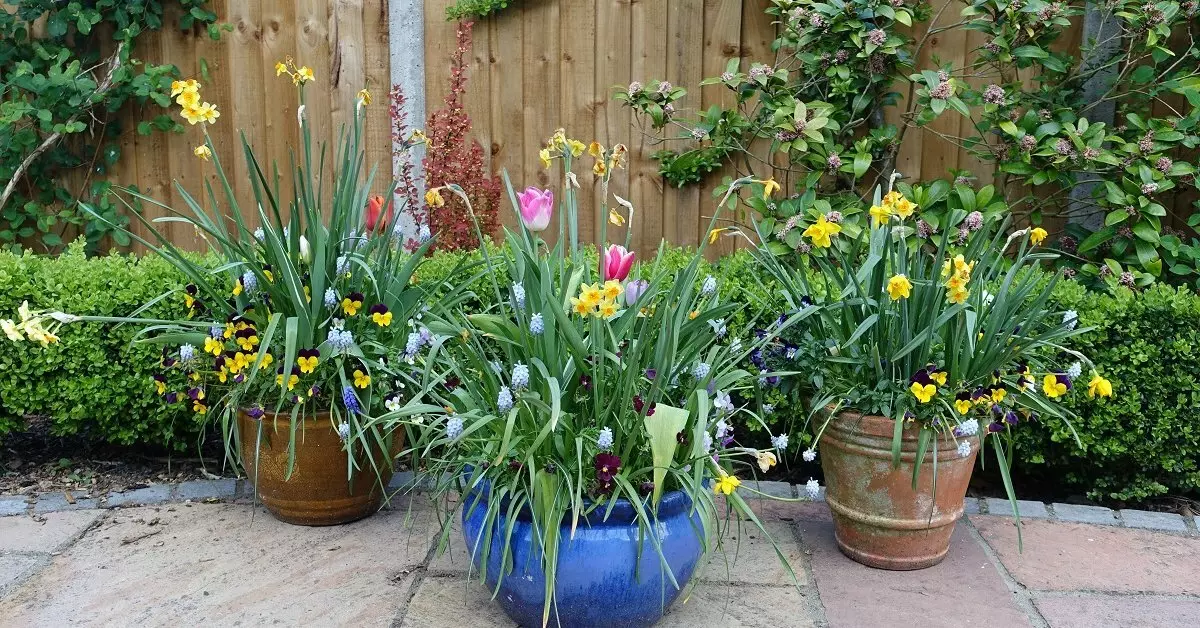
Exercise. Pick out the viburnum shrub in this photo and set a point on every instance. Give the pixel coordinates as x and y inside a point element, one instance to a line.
<point>453,157</point>
<point>822,112</point>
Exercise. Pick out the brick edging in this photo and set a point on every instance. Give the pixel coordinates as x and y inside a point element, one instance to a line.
<point>228,489</point>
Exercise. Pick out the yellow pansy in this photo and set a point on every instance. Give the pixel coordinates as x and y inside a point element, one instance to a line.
<point>998,394</point>
<point>1099,387</point>
<point>213,346</point>
<point>307,364</point>
<point>899,287</point>
<point>292,380</point>
<point>726,484</point>
<point>939,377</point>
<point>923,392</point>
<point>361,379</point>
<point>1053,387</point>
<point>1037,236</point>
<point>963,405</point>
<point>351,305</point>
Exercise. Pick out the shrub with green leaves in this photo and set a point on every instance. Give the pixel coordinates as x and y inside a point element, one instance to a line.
<point>1145,441</point>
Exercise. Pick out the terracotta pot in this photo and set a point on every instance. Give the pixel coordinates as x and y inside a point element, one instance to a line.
<point>318,492</point>
<point>879,519</point>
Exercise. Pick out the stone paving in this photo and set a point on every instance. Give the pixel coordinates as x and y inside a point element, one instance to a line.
<point>189,559</point>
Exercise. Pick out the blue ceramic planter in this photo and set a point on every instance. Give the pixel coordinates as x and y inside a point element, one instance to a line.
<point>595,584</point>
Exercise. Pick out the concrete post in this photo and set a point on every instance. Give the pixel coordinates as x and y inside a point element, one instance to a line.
<point>1101,32</point>
<point>406,34</point>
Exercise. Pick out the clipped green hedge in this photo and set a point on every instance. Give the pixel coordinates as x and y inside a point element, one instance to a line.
<point>1145,441</point>
<point>1142,443</point>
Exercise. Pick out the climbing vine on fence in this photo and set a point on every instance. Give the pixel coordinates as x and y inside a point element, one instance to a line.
<point>67,68</point>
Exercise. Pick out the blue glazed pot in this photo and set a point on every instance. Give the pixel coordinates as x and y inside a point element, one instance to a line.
<point>595,584</point>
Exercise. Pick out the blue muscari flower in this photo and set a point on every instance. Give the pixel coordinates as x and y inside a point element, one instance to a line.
<point>351,400</point>
<point>343,265</point>
<point>423,234</point>
<point>249,282</point>
<point>964,449</point>
<point>605,439</point>
<point>331,298</point>
<point>216,331</point>
<point>520,376</point>
<point>344,431</point>
<point>412,345</point>
<point>700,371</point>
<point>340,339</point>
<point>709,286</point>
<point>259,234</point>
<point>186,353</point>
<point>536,325</point>
<point>454,427</point>
<point>518,296</point>
<point>504,401</point>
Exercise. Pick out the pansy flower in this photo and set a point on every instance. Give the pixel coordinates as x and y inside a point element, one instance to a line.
<point>292,380</point>
<point>213,346</point>
<point>361,379</point>
<point>247,338</point>
<point>307,360</point>
<point>380,315</point>
<point>352,303</point>
<point>607,466</point>
<point>160,384</point>
<point>1056,385</point>
<point>167,359</point>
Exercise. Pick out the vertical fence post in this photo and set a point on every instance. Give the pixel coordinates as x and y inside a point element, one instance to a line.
<point>1101,42</point>
<point>406,37</point>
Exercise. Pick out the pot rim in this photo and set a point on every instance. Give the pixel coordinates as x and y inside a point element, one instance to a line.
<point>672,504</point>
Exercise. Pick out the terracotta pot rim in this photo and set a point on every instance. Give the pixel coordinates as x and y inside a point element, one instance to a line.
<point>877,426</point>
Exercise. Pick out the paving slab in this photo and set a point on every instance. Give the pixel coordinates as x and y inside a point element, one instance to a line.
<point>49,533</point>
<point>15,567</point>
<point>1117,611</point>
<point>222,564</point>
<point>148,496</point>
<point>1063,556</point>
<point>1165,521</point>
<point>198,490</point>
<point>746,555</point>
<point>734,606</point>
<point>966,589</point>
<point>769,489</point>
<point>1028,509</point>
<point>12,505</point>
<point>1098,515</point>
<point>453,601</point>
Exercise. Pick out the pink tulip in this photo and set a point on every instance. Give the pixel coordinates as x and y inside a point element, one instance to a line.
<point>616,263</point>
<point>536,208</point>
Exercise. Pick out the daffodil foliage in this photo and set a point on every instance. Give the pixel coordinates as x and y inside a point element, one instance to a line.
<point>944,328</point>
<point>309,309</point>
<point>587,384</point>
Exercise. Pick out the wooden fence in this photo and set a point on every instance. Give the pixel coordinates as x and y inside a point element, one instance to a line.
<point>536,66</point>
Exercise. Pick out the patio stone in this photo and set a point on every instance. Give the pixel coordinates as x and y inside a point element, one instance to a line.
<point>453,601</point>
<point>1098,515</point>
<point>1166,521</point>
<point>57,502</point>
<point>966,586</point>
<point>1028,509</point>
<point>1062,556</point>
<point>59,529</point>
<point>971,506</point>
<point>199,490</point>
<point>1117,611</point>
<point>770,489</point>
<point>719,605</point>
<point>220,564</point>
<point>746,555</point>
<point>148,496</point>
<point>13,505</point>
<point>14,568</point>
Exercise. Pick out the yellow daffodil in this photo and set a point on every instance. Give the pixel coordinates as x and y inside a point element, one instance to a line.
<point>904,208</point>
<point>899,287</point>
<point>1037,236</point>
<point>957,295</point>
<point>963,405</point>
<point>361,379</point>
<point>599,168</point>
<point>615,218</point>
<point>891,198</point>
<point>576,147</point>
<point>596,150</point>
<point>10,330</point>
<point>183,87</point>
<point>726,484</point>
<point>1053,387</point>
<point>188,100</point>
<point>203,152</point>
<point>364,96</point>
<point>433,198</point>
<point>580,307</point>
<point>544,156</point>
<point>304,75</point>
<point>770,186</point>
<point>713,235</point>
<point>880,214</point>
<point>607,309</point>
<point>612,289</point>
<point>923,393</point>
<point>591,295</point>
<point>821,231</point>
<point>1099,387</point>
<point>418,137</point>
<point>280,68</point>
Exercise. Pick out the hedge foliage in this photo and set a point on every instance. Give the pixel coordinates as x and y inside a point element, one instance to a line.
<point>1142,443</point>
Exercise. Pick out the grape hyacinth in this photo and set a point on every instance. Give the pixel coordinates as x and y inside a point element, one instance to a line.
<point>344,431</point>
<point>331,298</point>
<point>605,439</point>
<point>812,489</point>
<point>216,332</point>
<point>536,324</point>
<point>249,282</point>
<point>970,427</point>
<point>700,371</point>
<point>454,427</point>
<point>351,400</point>
<point>709,286</point>
<point>504,400</point>
<point>186,353</point>
<point>520,376</point>
<point>1070,319</point>
<point>342,265</point>
<point>340,339</point>
<point>809,454</point>
<point>1075,370</point>
<point>259,234</point>
<point>779,442</point>
<point>518,296</point>
<point>424,234</point>
<point>964,449</point>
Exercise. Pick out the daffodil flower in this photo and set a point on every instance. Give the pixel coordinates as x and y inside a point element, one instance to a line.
<point>726,484</point>
<point>1037,236</point>
<point>1099,387</point>
<point>899,287</point>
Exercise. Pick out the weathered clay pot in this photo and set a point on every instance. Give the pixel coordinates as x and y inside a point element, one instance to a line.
<point>318,492</point>
<point>879,520</point>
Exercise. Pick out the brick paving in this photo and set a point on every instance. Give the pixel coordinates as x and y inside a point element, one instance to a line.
<point>197,562</point>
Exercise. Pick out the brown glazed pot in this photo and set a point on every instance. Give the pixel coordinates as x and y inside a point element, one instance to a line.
<point>318,492</point>
<point>879,520</point>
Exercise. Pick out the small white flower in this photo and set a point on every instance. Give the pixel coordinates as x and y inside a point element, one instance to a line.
<point>709,286</point>
<point>964,449</point>
<point>186,353</point>
<point>723,429</point>
<point>723,402</point>
<point>769,408</point>
<point>812,489</point>
<point>454,427</point>
<point>1070,319</point>
<point>780,442</point>
<point>344,431</point>
<point>305,252</point>
<point>809,454</point>
<point>970,427</point>
<point>1075,370</point>
<point>392,404</point>
<point>605,439</point>
<point>988,297</point>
